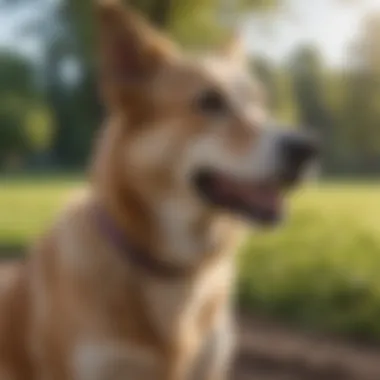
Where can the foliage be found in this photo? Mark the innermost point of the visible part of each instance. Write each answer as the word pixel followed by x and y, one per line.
pixel 343 108
pixel 306 73
pixel 320 270
pixel 280 96
pixel 16 91
pixel 16 75
pixel 361 108
pixel 13 140
pixel 39 128
pixel 67 31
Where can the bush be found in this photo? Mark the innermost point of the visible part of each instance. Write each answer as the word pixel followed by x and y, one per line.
pixel 321 269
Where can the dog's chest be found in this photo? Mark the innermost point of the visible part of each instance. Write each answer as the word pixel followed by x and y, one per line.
pixel 173 306
pixel 106 359
pixel 172 310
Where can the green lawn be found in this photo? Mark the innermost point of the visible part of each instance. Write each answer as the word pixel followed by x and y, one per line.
pixel 322 269
pixel 27 206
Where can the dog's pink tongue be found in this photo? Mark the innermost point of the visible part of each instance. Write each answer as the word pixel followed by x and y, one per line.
pixel 268 196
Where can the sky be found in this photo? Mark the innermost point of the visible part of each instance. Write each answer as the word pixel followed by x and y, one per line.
pixel 330 24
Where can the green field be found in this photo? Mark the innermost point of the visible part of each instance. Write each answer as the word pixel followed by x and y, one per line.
pixel 28 205
pixel 320 270
pixel 323 268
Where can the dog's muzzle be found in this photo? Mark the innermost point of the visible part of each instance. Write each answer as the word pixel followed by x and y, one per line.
pixel 297 150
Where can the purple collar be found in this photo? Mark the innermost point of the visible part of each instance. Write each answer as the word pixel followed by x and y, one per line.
pixel 140 258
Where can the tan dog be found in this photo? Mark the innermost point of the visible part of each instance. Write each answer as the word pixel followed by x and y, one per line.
pixel 134 280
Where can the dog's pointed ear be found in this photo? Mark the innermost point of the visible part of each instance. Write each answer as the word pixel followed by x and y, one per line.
pixel 130 50
pixel 234 49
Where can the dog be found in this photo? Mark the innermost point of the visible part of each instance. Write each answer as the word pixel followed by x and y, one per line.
pixel 134 280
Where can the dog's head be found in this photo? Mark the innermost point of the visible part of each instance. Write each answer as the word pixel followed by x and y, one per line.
pixel 190 130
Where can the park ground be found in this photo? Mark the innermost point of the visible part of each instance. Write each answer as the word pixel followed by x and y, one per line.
pixel 319 273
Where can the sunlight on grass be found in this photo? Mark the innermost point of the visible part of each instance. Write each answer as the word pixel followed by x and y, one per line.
pixel 28 206
pixel 321 268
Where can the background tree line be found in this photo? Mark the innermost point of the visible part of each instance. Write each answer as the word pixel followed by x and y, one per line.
pixel 49 110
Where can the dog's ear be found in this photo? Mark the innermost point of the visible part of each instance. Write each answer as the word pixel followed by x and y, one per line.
pixel 130 50
pixel 234 49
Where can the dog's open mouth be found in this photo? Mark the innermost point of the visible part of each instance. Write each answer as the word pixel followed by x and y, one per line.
pixel 259 201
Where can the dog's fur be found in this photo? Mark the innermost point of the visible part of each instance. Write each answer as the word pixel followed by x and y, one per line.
pixel 78 309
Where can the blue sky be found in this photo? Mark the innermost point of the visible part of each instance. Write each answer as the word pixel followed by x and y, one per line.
pixel 330 24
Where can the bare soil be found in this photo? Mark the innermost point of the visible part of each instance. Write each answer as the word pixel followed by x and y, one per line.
pixel 269 351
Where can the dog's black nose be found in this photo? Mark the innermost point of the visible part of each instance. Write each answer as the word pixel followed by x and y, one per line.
pixel 297 150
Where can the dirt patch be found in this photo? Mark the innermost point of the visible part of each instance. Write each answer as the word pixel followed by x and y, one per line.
pixel 269 351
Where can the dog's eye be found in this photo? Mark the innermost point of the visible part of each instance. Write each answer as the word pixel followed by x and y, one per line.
pixel 211 102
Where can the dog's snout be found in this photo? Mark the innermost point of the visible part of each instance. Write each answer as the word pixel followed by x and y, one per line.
pixel 297 150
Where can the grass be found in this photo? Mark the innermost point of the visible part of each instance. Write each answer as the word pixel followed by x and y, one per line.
pixel 28 205
pixel 320 270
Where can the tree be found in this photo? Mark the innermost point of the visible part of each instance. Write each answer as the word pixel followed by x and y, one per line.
pixel 13 140
pixel 306 71
pixel 278 89
pixel 17 90
pixel 307 74
pixel 67 30
pixel 361 107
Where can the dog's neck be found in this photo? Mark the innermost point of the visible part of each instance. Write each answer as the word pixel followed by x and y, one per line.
pixel 173 230
pixel 188 233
